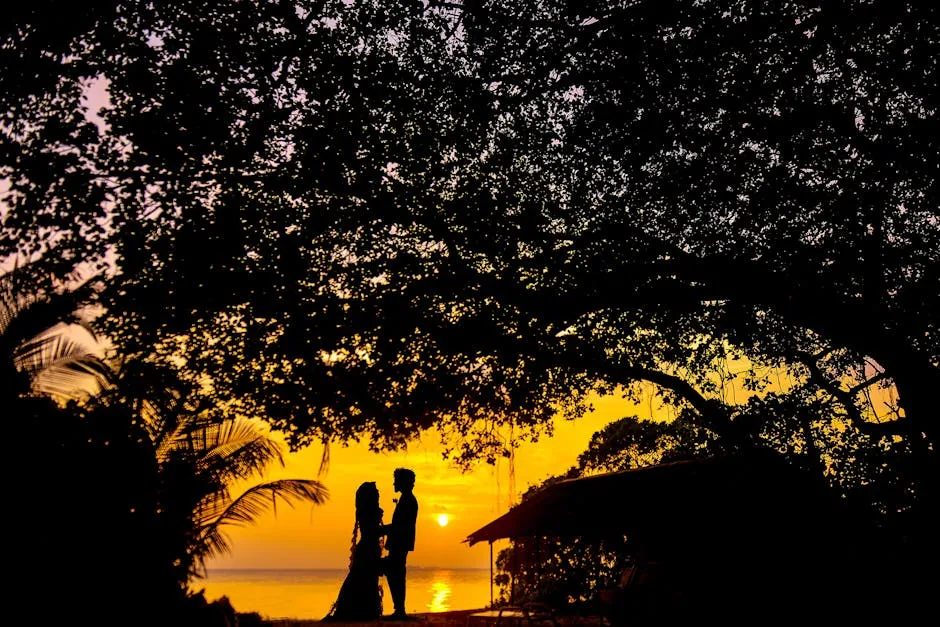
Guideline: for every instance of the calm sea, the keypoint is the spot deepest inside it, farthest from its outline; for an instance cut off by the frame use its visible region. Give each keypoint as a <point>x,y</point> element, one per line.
<point>309,594</point>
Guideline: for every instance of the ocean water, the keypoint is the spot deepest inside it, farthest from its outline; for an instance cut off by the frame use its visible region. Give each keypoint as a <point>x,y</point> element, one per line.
<point>309,593</point>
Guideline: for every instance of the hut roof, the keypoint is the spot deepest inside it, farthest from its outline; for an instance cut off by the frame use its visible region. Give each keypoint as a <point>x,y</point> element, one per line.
<point>698,496</point>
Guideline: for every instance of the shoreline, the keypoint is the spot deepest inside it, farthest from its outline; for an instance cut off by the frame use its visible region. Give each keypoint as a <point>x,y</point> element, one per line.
<point>451,617</point>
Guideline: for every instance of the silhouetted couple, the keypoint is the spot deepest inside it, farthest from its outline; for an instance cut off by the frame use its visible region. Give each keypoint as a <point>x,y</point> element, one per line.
<point>360,597</point>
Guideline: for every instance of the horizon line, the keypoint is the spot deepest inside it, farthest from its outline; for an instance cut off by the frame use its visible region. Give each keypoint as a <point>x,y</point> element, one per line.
<point>341,568</point>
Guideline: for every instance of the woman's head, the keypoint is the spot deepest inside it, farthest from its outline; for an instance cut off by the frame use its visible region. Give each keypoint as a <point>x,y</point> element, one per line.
<point>367,496</point>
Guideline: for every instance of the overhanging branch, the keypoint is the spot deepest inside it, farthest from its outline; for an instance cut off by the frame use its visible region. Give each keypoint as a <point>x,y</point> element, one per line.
<point>847,399</point>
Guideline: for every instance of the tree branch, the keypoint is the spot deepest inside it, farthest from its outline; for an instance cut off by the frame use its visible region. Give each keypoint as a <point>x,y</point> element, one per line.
<point>866,384</point>
<point>847,399</point>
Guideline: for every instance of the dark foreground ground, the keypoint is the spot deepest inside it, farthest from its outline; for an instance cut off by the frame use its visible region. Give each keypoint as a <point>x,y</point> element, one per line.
<point>436,618</point>
<point>459,618</point>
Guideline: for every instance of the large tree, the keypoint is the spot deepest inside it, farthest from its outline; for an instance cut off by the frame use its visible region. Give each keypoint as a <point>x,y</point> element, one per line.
<point>372,218</point>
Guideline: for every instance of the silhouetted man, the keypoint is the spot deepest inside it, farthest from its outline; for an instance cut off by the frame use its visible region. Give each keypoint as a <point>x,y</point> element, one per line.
<point>401,539</point>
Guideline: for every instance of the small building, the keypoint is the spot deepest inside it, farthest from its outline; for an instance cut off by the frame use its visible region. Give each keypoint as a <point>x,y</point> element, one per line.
<point>734,535</point>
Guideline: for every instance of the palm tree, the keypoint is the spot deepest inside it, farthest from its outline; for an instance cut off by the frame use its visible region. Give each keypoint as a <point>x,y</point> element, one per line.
<point>49,361</point>
<point>144,469</point>
<point>202,457</point>
<point>187,474</point>
<point>46,348</point>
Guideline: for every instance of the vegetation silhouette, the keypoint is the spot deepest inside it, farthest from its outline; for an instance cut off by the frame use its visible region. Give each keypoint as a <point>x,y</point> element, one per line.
<point>41,351</point>
<point>368,219</point>
<point>143,469</point>
<point>730,536</point>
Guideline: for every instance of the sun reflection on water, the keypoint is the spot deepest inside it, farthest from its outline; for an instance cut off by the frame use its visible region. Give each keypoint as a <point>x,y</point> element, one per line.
<point>308,594</point>
<point>440,594</point>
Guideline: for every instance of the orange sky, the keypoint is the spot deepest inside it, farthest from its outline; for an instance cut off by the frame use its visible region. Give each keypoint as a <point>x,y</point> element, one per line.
<point>319,536</point>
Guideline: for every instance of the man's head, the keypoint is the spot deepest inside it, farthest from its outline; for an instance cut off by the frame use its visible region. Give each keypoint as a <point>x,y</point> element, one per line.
<point>404,480</point>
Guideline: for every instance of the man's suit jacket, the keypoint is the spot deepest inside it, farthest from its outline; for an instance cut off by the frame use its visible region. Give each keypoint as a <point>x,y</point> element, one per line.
<point>401,532</point>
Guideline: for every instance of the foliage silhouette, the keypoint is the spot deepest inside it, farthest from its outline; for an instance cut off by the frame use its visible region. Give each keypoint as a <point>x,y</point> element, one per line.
<point>726,564</point>
<point>146,481</point>
<point>186,470</point>
<point>46,347</point>
<point>202,455</point>
<point>369,219</point>
<point>464,228</point>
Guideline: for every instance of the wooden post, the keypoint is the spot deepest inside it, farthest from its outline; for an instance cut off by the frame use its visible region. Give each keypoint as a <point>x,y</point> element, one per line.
<point>491,573</point>
<point>512,574</point>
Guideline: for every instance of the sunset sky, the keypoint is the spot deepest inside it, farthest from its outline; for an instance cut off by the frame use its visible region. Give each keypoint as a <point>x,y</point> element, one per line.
<point>319,536</point>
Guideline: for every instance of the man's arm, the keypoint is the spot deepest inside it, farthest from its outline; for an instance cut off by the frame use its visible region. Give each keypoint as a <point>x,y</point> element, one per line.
<point>409,518</point>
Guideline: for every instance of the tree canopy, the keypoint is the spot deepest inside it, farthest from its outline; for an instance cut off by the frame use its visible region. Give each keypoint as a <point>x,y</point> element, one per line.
<point>371,218</point>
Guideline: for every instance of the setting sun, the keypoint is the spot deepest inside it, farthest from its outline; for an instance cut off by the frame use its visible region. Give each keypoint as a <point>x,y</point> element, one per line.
<point>443,519</point>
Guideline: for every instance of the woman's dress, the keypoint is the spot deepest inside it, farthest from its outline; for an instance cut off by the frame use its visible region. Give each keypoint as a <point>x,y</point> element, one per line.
<point>360,597</point>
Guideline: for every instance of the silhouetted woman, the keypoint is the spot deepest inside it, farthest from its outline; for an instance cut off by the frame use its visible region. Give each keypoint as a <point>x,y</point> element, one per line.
<point>360,597</point>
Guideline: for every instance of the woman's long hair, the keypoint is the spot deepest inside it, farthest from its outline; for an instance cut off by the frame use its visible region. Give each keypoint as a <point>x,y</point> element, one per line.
<point>367,500</point>
<point>367,505</point>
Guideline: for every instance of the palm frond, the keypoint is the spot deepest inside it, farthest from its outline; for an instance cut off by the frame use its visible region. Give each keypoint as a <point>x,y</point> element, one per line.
<point>236,449</point>
<point>252,504</point>
<point>156,425</point>
<point>215,454</point>
<point>27,313</point>
<point>61,363</point>
<point>162,407</point>
<point>75,378</point>
<point>209,546</point>
<point>256,500</point>
<point>57,343</point>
